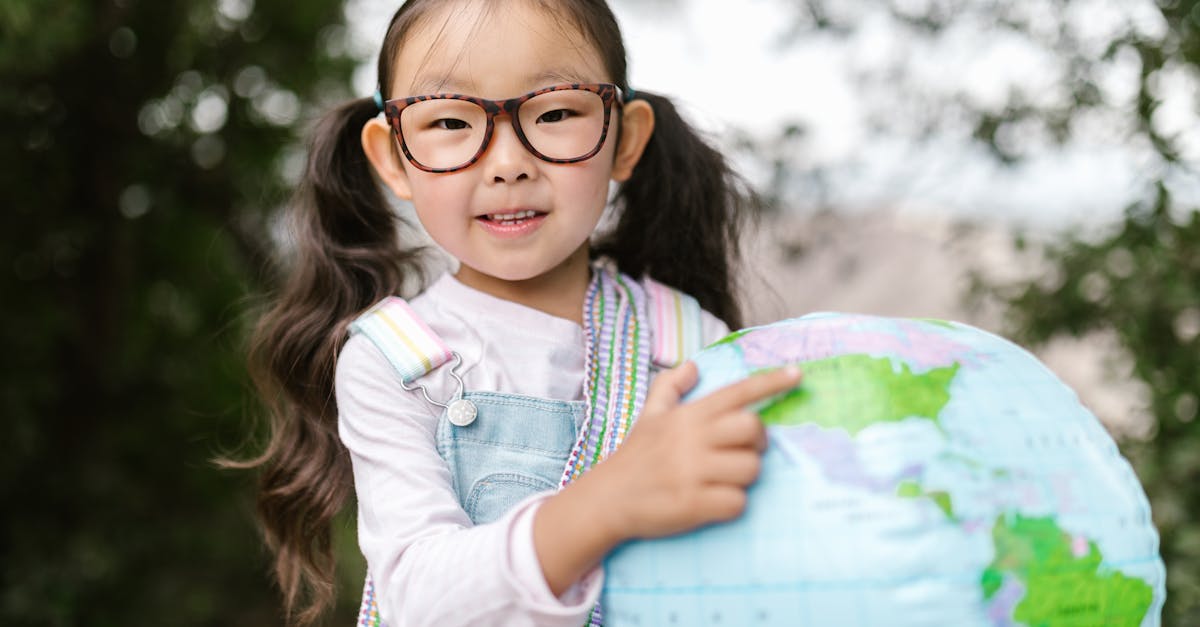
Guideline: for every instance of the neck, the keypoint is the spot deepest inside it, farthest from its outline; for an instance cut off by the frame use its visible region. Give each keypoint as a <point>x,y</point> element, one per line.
<point>558,292</point>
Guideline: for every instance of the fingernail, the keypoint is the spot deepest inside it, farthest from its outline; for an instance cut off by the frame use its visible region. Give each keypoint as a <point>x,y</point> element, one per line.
<point>792,372</point>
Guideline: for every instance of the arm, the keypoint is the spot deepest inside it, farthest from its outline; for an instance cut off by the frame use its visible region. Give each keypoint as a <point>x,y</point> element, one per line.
<point>430,565</point>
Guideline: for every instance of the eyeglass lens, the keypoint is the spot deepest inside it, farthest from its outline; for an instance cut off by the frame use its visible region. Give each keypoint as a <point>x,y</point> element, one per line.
<point>447,133</point>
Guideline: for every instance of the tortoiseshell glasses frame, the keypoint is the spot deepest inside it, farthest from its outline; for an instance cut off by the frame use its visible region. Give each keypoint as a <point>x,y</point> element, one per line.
<point>609,94</point>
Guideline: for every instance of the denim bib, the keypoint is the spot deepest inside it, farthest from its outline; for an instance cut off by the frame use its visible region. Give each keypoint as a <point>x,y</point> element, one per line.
<point>517,446</point>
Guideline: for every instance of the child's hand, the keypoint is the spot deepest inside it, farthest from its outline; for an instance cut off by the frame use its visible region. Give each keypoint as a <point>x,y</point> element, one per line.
<point>686,465</point>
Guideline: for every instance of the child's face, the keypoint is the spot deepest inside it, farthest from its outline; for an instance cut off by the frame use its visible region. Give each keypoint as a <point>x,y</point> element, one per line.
<point>515,49</point>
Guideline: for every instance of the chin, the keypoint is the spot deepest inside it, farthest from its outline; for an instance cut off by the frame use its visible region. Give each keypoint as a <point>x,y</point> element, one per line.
<point>513,272</point>
<point>518,274</point>
<point>525,265</point>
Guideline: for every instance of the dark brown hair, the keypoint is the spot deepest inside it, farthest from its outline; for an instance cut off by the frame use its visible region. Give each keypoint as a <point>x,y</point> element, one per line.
<point>679,221</point>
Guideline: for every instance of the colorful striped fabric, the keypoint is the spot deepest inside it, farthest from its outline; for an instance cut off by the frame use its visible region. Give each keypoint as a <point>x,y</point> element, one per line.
<point>409,344</point>
<point>368,612</point>
<point>676,318</point>
<point>617,367</point>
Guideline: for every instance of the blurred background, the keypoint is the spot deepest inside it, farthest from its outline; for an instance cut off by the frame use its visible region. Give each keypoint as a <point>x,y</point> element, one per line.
<point>1029,167</point>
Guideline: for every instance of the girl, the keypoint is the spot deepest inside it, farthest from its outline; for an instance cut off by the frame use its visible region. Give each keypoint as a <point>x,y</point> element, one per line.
<point>459,413</point>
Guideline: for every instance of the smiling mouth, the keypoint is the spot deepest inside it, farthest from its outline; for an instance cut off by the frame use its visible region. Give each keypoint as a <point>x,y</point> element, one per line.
<point>511,218</point>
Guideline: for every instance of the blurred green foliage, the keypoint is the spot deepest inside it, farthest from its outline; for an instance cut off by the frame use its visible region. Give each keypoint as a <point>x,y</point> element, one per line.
<point>145,147</point>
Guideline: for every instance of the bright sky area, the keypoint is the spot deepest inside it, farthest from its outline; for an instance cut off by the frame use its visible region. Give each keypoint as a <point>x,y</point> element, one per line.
<point>730,73</point>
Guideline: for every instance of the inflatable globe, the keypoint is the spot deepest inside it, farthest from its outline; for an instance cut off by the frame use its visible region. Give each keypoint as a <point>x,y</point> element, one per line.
<point>923,473</point>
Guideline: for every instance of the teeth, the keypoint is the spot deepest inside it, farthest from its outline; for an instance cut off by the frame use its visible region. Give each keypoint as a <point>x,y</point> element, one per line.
<point>507,217</point>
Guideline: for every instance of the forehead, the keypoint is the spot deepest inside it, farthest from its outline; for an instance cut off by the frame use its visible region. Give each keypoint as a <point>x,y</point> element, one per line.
<point>493,49</point>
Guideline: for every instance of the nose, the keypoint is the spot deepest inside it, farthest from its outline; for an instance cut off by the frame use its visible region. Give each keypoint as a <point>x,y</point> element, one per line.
<point>506,159</point>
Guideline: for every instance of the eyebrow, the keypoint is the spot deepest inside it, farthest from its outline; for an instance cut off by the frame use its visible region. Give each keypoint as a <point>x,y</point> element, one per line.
<point>444,83</point>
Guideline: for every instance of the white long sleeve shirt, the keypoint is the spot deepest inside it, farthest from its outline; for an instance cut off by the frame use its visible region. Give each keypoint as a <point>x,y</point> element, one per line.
<point>430,565</point>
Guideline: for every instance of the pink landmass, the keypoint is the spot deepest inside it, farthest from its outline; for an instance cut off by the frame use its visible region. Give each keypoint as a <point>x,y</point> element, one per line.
<point>912,341</point>
<point>1080,547</point>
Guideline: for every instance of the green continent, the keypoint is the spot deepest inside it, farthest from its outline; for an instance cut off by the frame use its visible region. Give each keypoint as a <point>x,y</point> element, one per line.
<point>942,499</point>
<point>909,489</point>
<point>1060,587</point>
<point>854,392</point>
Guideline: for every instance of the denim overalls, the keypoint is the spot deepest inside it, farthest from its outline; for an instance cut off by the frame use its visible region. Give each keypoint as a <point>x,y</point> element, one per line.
<point>516,445</point>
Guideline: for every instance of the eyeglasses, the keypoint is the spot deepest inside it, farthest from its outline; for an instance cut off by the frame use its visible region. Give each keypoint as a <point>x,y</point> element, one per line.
<point>449,132</point>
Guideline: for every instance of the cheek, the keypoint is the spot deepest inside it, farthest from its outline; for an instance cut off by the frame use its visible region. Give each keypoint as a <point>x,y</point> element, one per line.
<point>441,188</point>
<point>591,183</point>
<point>438,201</point>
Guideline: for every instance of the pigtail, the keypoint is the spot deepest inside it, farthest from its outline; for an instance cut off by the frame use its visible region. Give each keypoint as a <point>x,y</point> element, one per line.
<point>346,257</point>
<point>682,214</point>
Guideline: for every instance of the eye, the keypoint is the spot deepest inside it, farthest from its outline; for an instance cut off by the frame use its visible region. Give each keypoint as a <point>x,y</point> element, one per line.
<point>450,124</point>
<point>557,115</point>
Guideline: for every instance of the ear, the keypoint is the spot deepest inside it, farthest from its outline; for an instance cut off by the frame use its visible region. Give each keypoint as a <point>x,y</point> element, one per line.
<point>637,125</point>
<point>379,144</point>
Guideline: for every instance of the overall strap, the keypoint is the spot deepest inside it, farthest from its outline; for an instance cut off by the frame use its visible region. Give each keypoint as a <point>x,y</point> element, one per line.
<point>412,348</point>
<point>678,330</point>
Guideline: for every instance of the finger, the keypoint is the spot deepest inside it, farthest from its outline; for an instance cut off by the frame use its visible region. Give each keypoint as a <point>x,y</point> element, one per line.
<point>737,429</point>
<point>722,502</point>
<point>753,388</point>
<point>734,467</point>
<point>669,386</point>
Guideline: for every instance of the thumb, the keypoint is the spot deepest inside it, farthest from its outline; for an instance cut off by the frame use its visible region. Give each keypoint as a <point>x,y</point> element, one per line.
<point>669,386</point>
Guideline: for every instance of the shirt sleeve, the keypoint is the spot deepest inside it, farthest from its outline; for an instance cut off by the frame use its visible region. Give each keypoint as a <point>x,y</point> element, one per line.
<point>430,565</point>
<point>712,327</point>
